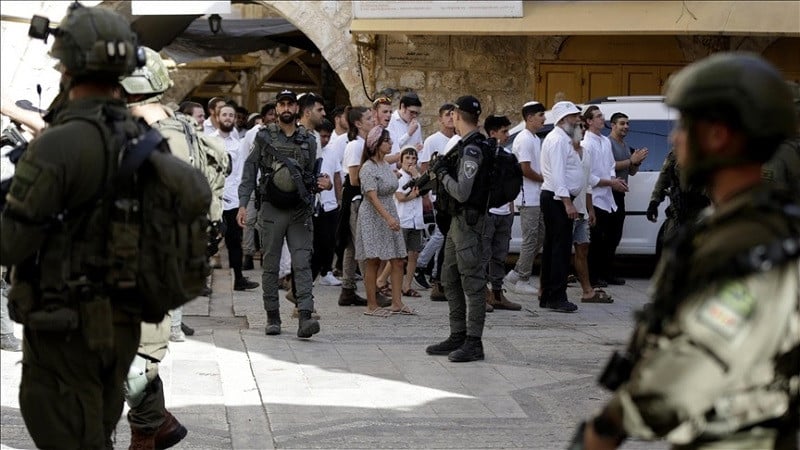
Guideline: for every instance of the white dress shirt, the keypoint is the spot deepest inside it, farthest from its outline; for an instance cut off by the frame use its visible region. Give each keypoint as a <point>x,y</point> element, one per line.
<point>230,195</point>
<point>527,147</point>
<point>580,199</point>
<point>599,148</point>
<point>398,130</point>
<point>561,165</point>
<point>409,212</point>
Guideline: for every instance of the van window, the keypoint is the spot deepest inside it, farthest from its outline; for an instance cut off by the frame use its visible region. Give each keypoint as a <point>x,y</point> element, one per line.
<point>653,134</point>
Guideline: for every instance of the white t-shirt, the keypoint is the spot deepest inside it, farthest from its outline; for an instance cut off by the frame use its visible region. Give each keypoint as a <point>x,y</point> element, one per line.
<point>331,167</point>
<point>352,153</point>
<point>528,148</point>
<point>410,212</point>
<point>434,143</point>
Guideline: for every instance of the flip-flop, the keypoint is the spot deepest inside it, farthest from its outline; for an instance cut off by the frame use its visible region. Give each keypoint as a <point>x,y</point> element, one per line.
<point>379,312</point>
<point>406,311</point>
<point>411,293</point>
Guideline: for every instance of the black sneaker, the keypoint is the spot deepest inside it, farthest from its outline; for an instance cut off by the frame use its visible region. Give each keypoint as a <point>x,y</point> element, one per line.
<point>420,280</point>
<point>564,306</point>
<point>244,284</point>
<point>187,330</point>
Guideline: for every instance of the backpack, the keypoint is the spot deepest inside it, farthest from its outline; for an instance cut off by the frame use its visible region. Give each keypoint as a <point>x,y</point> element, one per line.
<point>206,153</point>
<point>153,214</point>
<point>505,174</point>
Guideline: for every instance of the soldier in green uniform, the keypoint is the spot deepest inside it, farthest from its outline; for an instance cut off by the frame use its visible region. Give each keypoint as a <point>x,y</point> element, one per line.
<point>463,192</point>
<point>284,153</point>
<point>80,335</point>
<point>714,362</point>
<point>784,167</point>
<point>152,426</point>
<point>685,202</point>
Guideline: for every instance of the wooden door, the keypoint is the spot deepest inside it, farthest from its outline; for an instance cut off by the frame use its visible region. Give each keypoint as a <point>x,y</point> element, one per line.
<point>600,81</point>
<point>558,79</point>
<point>641,80</point>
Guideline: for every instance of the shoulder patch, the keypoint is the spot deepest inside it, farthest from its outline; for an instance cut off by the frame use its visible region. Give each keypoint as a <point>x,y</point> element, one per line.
<point>470,169</point>
<point>472,151</point>
<point>727,312</point>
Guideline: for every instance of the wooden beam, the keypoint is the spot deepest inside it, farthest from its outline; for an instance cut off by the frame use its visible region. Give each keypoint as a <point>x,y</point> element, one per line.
<point>214,65</point>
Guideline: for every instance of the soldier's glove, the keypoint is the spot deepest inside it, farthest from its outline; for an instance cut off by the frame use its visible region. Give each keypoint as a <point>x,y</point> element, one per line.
<point>652,211</point>
<point>439,167</point>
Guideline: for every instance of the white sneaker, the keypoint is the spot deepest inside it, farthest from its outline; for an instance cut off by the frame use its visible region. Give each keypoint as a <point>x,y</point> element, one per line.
<point>511,278</point>
<point>176,334</point>
<point>329,280</point>
<point>523,287</point>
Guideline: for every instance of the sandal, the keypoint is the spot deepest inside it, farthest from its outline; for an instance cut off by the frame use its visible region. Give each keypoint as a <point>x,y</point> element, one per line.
<point>598,297</point>
<point>405,311</point>
<point>385,290</point>
<point>411,293</point>
<point>379,312</point>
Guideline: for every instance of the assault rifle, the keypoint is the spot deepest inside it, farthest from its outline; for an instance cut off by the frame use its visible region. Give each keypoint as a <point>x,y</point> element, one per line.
<point>423,182</point>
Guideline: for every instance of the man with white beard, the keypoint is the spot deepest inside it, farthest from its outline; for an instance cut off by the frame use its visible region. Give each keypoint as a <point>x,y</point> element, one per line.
<point>563,180</point>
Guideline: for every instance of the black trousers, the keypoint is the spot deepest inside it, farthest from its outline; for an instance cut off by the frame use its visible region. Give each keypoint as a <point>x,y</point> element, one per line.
<point>615,229</point>
<point>601,253</point>
<point>557,248</point>
<point>324,242</point>
<point>233,241</point>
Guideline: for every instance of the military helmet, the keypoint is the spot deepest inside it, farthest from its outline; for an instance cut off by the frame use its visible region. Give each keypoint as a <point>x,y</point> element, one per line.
<point>741,83</point>
<point>96,41</point>
<point>282,178</point>
<point>152,78</point>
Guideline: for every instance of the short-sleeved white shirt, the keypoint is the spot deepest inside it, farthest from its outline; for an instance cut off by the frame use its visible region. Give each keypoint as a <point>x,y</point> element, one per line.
<point>331,167</point>
<point>410,212</point>
<point>352,153</point>
<point>398,130</point>
<point>528,148</point>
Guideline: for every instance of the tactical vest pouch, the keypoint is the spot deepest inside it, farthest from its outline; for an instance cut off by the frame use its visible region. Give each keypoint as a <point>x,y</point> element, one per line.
<point>281,199</point>
<point>53,318</point>
<point>21,301</point>
<point>97,323</point>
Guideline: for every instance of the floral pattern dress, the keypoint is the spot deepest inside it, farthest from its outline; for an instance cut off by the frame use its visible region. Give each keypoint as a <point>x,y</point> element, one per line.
<point>374,239</point>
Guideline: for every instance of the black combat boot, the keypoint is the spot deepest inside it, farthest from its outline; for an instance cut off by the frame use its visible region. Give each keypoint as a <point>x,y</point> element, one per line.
<point>472,350</point>
<point>455,341</point>
<point>169,433</point>
<point>273,323</point>
<point>348,297</point>
<point>308,325</point>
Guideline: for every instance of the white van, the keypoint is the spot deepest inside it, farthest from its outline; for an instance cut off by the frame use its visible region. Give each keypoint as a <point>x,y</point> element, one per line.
<point>650,124</point>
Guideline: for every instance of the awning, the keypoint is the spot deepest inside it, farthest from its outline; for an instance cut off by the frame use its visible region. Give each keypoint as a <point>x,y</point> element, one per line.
<point>235,38</point>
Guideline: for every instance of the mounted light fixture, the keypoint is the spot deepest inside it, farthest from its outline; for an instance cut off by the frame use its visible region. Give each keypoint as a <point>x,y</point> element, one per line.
<point>215,23</point>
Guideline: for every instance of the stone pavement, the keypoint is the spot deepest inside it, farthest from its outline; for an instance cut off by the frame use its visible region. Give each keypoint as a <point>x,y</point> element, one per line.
<point>366,382</point>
